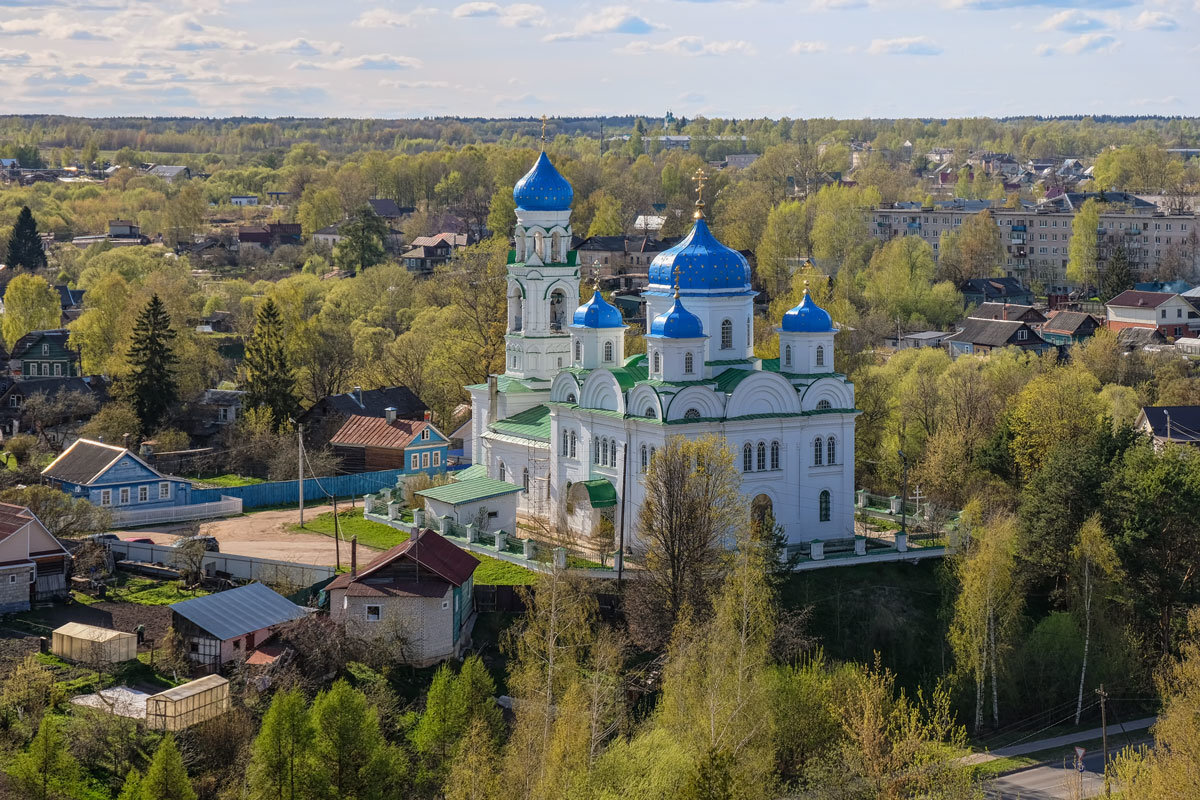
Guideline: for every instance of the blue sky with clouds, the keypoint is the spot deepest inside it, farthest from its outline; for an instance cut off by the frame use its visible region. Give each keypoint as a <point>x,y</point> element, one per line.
<point>739,58</point>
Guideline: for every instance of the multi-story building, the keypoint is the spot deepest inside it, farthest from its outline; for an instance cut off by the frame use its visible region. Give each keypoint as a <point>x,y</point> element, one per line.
<point>1036,236</point>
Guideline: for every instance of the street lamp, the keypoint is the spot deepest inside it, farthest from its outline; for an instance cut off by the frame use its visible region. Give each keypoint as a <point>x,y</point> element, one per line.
<point>903,492</point>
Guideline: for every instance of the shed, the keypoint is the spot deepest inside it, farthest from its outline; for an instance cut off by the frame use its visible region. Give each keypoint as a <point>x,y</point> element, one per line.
<point>220,627</point>
<point>468,500</point>
<point>187,705</point>
<point>78,642</point>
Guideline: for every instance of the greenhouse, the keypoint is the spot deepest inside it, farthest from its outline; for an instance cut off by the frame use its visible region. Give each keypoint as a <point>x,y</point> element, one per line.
<point>91,645</point>
<point>188,705</point>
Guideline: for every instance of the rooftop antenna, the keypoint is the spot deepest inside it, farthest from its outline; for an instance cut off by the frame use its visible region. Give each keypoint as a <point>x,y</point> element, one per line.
<point>700,177</point>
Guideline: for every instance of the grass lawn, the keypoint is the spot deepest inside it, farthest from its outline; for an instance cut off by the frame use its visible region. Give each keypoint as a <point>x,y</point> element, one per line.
<point>148,591</point>
<point>229,481</point>
<point>497,572</point>
<point>370,534</point>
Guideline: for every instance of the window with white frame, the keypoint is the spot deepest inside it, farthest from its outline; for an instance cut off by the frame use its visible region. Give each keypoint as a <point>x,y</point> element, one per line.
<point>726,334</point>
<point>689,363</point>
<point>124,495</point>
<point>437,458</point>
<point>424,460</point>
<point>831,450</point>
<point>106,497</point>
<point>373,613</point>
<point>608,351</point>
<point>415,461</point>
<point>164,490</point>
<point>143,494</point>
<point>572,453</point>
<point>747,458</point>
<point>818,451</point>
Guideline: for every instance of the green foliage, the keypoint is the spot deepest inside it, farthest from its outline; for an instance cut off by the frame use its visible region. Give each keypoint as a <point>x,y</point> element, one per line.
<point>900,282</point>
<point>361,243</point>
<point>24,246</point>
<point>1117,275</point>
<point>280,763</point>
<point>166,778</point>
<point>348,750</point>
<point>151,385</point>
<point>30,304</point>
<point>1084,249</point>
<point>269,380</point>
<point>47,770</point>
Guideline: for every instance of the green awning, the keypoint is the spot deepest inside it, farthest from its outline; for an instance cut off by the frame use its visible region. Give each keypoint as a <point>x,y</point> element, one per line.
<point>601,493</point>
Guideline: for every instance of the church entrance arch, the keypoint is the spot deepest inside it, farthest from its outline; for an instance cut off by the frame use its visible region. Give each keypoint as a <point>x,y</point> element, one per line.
<point>762,512</point>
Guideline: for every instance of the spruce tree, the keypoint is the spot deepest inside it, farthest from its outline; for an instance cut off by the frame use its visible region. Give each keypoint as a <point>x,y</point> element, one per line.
<point>47,770</point>
<point>1118,276</point>
<point>166,779</point>
<point>281,764</point>
<point>151,386</point>
<point>269,381</point>
<point>24,246</point>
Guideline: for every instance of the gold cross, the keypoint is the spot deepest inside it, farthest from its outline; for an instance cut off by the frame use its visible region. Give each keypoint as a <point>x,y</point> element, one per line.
<point>676,281</point>
<point>543,131</point>
<point>700,177</point>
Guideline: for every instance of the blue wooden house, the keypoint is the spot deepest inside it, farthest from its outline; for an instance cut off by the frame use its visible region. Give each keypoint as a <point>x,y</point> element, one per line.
<point>112,477</point>
<point>370,443</point>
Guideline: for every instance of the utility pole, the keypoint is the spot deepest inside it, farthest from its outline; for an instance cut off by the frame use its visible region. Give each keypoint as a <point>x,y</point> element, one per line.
<point>1168,413</point>
<point>1104,733</point>
<point>337,534</point>
<point>903,492</point>
<point>300,468</point>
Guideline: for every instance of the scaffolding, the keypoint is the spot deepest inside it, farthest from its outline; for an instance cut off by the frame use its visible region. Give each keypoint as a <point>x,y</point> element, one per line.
<point>187,705</point>
<point>91,645</point>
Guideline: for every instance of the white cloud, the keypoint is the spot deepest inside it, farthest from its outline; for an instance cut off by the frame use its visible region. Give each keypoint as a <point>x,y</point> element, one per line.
<point>808,47</point>
<point>614,19</point>
<point>691,46</point>
<point>904,46</point>
<point>53,26</point>
<point>1155,21</point>
<point>385,18</point>
<point>415,84</point>
<point>384,61</point>
<point>517,15</point>
<point>838,5</point>
<point>1082,45</point>
<point>1071,21</point>
<point>14,58</point>
<point>993,5</point>
<point>305,47</point>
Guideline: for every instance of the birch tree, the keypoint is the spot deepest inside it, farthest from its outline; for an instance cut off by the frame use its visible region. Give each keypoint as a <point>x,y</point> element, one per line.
<point>1096,562</point>
<point>988,605</point>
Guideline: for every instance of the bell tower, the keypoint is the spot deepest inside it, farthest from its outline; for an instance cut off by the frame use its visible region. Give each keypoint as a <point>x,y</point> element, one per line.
<point>543,280</point>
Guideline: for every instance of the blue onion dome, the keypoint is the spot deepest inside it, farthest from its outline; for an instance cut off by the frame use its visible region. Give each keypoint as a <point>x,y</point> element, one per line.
<point>705,265</point>
<point>543,188</point>
<point>677,323</point>
<point>807,317</point>
<point>598,313</point>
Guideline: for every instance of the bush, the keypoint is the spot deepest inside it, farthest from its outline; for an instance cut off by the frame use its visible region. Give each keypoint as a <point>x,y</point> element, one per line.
<point>22,446</point>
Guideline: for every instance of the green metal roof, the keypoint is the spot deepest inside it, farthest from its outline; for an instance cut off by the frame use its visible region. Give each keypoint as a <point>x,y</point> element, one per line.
<point>468,491</point>
<point>473,471</point>
<point>627,377</point>
<point>509,385</point>
<point>772,365</point>
<point>601,493</point>
<point>533,423</point>
<point>728,380</point>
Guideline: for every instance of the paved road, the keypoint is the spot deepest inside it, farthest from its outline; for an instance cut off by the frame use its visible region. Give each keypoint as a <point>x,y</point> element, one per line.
<point>1025,748</point>
<point>1054,781</point>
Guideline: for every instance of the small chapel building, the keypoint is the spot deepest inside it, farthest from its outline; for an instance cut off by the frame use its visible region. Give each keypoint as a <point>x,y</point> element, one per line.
<point>576,424</point>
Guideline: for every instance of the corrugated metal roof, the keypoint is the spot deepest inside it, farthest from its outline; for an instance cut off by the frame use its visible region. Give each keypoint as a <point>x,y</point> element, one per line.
<point>227,615</point>
<point>84,461</point>
<point>533,423</point>
<point>473,471</point>
<point>378,432</point>
<point>469,491</point>
<point>13,518</point>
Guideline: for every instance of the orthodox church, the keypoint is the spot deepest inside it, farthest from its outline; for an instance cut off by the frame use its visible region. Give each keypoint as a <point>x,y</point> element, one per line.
<point>576,423</point>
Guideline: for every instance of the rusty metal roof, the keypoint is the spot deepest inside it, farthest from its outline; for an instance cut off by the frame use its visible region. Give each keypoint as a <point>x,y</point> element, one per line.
<point>378,432</point>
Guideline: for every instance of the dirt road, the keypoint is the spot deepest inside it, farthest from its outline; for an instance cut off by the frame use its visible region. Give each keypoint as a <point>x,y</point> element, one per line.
<point>265,534</point>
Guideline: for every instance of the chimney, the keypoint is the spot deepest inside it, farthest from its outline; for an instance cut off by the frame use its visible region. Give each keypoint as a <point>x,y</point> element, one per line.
<point>493,398</point>
<point>390,414</point>
<point>353,556</point>
<point>125,440</point>
<point>1005,310</point>
<point>357,394</point>
<point>428,415</point>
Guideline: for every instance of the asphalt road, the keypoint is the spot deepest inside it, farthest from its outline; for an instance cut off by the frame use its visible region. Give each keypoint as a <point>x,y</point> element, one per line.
<point>1053,781</point>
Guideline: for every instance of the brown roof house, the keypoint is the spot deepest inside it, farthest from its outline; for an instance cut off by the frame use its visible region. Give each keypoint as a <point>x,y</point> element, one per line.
<point>1069,327</point>
<point>421,591</point>
<point>369,443</point>
<point>985,335</point>
<point>33,564</point>
<point>1009,311</point>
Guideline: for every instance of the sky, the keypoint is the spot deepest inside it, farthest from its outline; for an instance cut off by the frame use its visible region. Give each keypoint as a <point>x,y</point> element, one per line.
<point>718,58</point>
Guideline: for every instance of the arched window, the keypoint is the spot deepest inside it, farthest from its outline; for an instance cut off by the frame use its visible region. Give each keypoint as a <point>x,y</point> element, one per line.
<point>726,334</point>
<point>595,451</point>
<point>762,456</point>
<point>525,480</point>
<point>608,351</point>
<point>566,442</point>
<point>787,356</point>
<point>747,458</point>
<point>820,356</point>
<point>657,362</point>
<point>572,453</point>
<point>831,450</point>
<point>571,398</point>
<point>824,505</point>
<point>502,471</point>
<point>774,455</point>
<point>692,413</point>
<point>604,452</point>
<point>689,363</point>
<point>818,451</point>
<point>612,454</point>
<point>650,413</point>
<point>645,458</point>
<point>578,350</point>
<point>823,405</point>
<point>653,450</point>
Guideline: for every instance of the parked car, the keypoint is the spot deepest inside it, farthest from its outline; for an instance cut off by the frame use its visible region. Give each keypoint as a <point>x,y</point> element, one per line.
<point>103,538</point>
<point>211,545</point>
<point>138,540</point>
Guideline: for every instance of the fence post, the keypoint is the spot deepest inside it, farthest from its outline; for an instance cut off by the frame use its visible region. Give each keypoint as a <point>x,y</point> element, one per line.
<point>368,503</point>
<point>419,517</point>
<point>560,558</point>
<point>861,498</point>
<point>444,523</point>
<point>501,541</point>
<point>818,550</point>
<point>393,510</point>
<point>901,542</point>
<point>860,545</point>
<point>470,527</point>
<point>529,549</point>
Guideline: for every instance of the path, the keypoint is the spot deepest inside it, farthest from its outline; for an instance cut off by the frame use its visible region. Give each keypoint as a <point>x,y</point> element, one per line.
<point>264,534</point>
